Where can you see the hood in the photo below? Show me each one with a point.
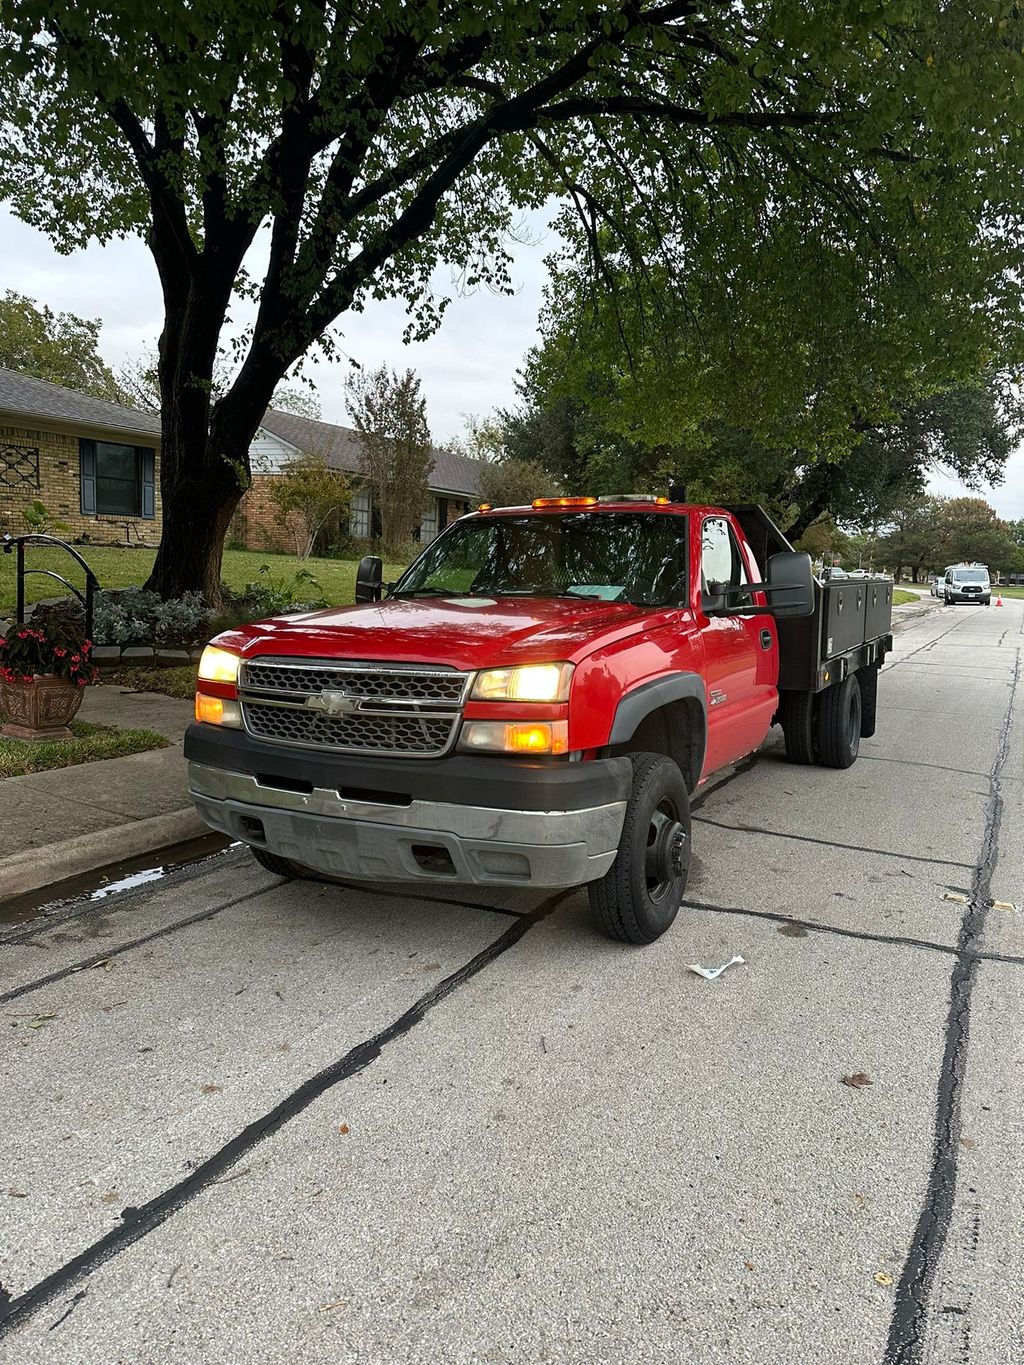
(464, 633)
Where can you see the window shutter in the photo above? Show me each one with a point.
(148, 483)
(87, 477)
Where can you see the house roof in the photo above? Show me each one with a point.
(340, 446)
(23, 397)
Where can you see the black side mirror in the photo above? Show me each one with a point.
(368, 579)
(790, 585)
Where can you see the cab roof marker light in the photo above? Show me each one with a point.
(630, 497)
(486, 507)
(564, 502)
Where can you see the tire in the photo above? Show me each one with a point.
(867, 680)
(839, 722)
(638, 897)
(280, 867)
(986, 601)
(796, 716)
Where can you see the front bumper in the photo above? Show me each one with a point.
(382, 819)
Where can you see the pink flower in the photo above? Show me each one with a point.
(59, 651)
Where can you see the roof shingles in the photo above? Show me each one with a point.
(340, 446)
(23, 397)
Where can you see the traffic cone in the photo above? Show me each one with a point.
(999, 599)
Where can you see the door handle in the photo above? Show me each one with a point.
(766, 639)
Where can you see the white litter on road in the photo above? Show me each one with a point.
(710, 973)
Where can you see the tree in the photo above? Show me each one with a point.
(514, 483)
(933, 532)
(390, 415)
(858, 478)
(760, 147)
(969, 530)
(301, 399)
(60, 347)
(309, 494)
(483, 438)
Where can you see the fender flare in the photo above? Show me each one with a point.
(641, 702)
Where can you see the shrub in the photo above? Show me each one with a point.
(135, 616)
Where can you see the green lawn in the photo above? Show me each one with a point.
(126, 568)
(1015, 591)
(900, 598)
(171, 682)
(19, 756)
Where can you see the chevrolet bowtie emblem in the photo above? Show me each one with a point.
(333, 702)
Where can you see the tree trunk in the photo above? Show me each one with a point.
(198, 503)
(204, 456)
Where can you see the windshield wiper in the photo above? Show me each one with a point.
(429, 592)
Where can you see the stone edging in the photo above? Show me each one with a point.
(160, 656)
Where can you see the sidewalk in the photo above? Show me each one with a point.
(69, 821)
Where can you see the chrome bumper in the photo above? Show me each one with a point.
(422, 841)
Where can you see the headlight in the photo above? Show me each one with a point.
(529, 682)
(219, 665)
(515, 736)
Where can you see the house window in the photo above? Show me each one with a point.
(116, 480)
(360, 509)
(428, 524)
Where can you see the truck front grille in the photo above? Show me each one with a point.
(354, 708)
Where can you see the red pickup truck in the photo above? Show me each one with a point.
(535, 701)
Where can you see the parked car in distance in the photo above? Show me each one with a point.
(938, 585)
(967, 583)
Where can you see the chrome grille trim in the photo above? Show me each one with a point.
(393, 709)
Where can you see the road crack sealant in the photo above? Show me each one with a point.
(908, 1327)
(136, 1223)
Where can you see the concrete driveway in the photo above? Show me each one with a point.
(247, 1121)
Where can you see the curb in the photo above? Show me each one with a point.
(39, 867)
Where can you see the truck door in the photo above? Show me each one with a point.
(740, 691)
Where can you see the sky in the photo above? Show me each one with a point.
(467, 367)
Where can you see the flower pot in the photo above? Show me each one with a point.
(40, 709)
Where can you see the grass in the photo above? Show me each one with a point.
(129, 567)
(1011, 591)
(170, 682)
(88, 742)
(900, 598)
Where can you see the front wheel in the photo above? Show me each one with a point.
(281, 867)
(638, 897)
(839, 721)
(986, 601)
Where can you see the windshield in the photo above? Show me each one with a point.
(971, 575)
(637, 557)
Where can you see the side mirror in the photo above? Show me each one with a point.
(368, 579)
(790, 585)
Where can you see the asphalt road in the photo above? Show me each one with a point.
(296, 1122)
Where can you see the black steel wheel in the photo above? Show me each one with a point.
(797, 717)
(639, 896)
(839, 722)
(281, 867)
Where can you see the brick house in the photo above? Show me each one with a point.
(93, 465)
(282, 436)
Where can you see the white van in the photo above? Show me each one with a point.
(967, 583)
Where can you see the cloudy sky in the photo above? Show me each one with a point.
(468, 367)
